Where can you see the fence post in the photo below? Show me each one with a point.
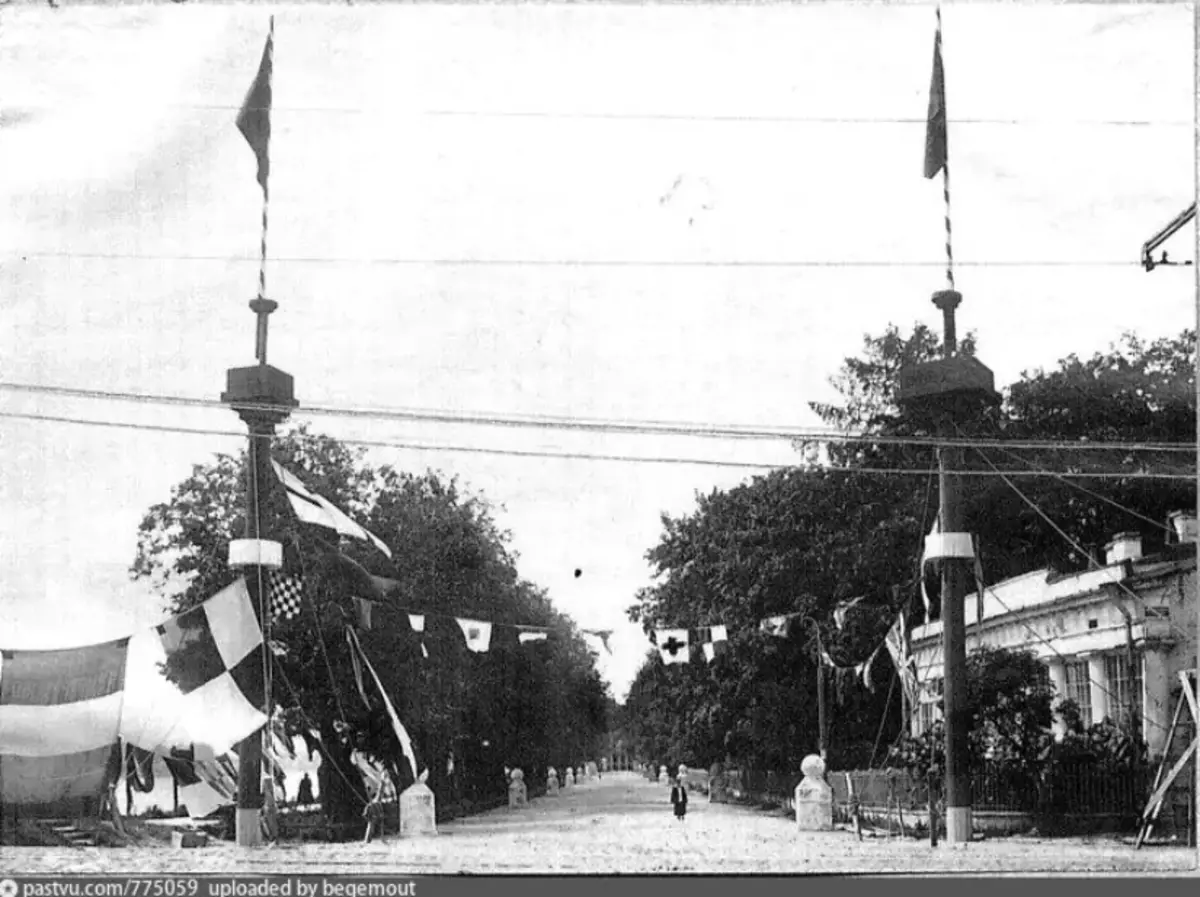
(933, 819)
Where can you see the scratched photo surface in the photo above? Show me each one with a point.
(518, 438)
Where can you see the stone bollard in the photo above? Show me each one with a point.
(813, 797)
(417, 814)
(552, 781)
(517, 793)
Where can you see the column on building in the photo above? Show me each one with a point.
(1058, 678)
(1098, 677)
(1156, 701)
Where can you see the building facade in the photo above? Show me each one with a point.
(1114, 639)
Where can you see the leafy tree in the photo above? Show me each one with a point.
(469, 714)
(1009, 705)
(774, 545)
(801, 540)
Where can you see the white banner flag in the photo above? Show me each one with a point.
(477, 633)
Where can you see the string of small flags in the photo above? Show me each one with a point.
(674, 645)
(478, 633)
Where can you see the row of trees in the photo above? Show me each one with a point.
(469, 714)
(804, 540)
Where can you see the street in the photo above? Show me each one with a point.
(622, 824)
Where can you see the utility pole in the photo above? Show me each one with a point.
(822, 718)
(943, 394)
(262, 396)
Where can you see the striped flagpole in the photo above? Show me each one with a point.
(946, 163)
(262, 264)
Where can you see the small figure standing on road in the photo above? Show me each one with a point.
(679, 798)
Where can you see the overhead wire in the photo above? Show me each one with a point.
(1084, 553)
(606, 425)
(734, 118)
(592, 456)
(1158, 524)
(579, 262)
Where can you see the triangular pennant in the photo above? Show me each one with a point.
(397, 726)
(417, 622)
(357, 668)
(710, 652)
(314, 509)
(601, 634)
(477, 633)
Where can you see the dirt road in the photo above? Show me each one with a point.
(622, 824)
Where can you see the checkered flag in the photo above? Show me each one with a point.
(284, 594)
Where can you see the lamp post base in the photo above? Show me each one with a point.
(249, 834)
(958, 825)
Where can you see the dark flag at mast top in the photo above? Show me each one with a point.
(254, 119)
(936, 149)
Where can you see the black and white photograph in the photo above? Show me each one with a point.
(596, 439)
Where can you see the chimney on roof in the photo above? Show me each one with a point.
(1184, 523)
(1123, 547)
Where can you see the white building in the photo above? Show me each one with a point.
(1087, 628)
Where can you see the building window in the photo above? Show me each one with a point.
(1125, 689)
(926, 715)
(1079, 689)
(929, 704)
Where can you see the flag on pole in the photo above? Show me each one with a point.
(525, 635)
(397, 727)
(254, 119)
(936, 149)
(718, 634)
(710, 653)
(284, 594)
(319, 511)
(356, 666)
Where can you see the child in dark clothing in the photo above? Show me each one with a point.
(679, 798)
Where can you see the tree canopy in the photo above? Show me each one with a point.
(469, 714)
(803, 539)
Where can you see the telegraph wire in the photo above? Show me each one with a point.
(583, 456)
(726, 118)
(462, 262)
(632, 427)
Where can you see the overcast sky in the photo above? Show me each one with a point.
(543, 210)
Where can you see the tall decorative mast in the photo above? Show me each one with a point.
(942, 395)
(262, 396)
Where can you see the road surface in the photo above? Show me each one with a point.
(622, 824)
